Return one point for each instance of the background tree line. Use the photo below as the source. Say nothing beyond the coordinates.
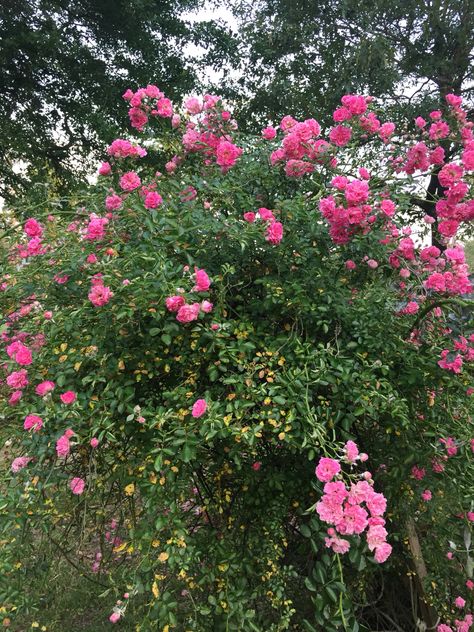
(65, 64)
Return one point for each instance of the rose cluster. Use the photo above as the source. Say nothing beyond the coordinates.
(188, 312)
(351, 509)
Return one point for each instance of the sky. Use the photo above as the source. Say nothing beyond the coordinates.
(207, 14)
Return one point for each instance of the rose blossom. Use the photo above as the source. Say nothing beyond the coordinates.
(327, 469)
(68, 397)
(77, 485)
(19, 463)
(33, 422)
(44, 388)
(187, 313)
(199, 408)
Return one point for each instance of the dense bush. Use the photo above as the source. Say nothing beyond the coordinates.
(178, 359)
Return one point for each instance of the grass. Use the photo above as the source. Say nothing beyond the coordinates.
(69, 603)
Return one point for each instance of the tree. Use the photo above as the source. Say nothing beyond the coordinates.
(300, 56)
(64, 66)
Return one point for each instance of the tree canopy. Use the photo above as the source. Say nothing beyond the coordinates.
(303, 55)
(64, 66)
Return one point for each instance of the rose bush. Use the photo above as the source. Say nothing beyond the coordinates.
(237, 379)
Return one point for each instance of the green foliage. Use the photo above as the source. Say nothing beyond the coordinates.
(206, 539)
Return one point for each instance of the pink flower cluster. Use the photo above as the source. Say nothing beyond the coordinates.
(348, 212)
(210, 134)
(34, 246)
(63, 444)
(301, 148)
(20, 353)
(452, 208)
(274, 229)
(99, 294)
(354, 109)
(463, 625)
(445, 272)
(95, 230)
(351, 510)
(188, 312)
(146, 102)
(125, 149)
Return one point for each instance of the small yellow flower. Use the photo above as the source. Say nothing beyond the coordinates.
(129, 489)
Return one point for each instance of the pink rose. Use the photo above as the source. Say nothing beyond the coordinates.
(269, 133)
(164, 108)
(20, 353)
(327, 469)
(68, 397)
(153, 200)
(203, 282)
(188, 313)
(19, 463)
(382, 552)
(94, 442)
(206, 307)
(77, 485)
(33, 422)
(100, 295)
(340, 135)
(274, 233)
(63, 446)
(266, 214)
(199, 408)
(105, 169)
(173, 303)
(33, 228)
(130, 181)
(351, 451)
(44, 388)
(18, 379)
(227, 154)
(113, 202)
(15, 398)
(193, 105)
